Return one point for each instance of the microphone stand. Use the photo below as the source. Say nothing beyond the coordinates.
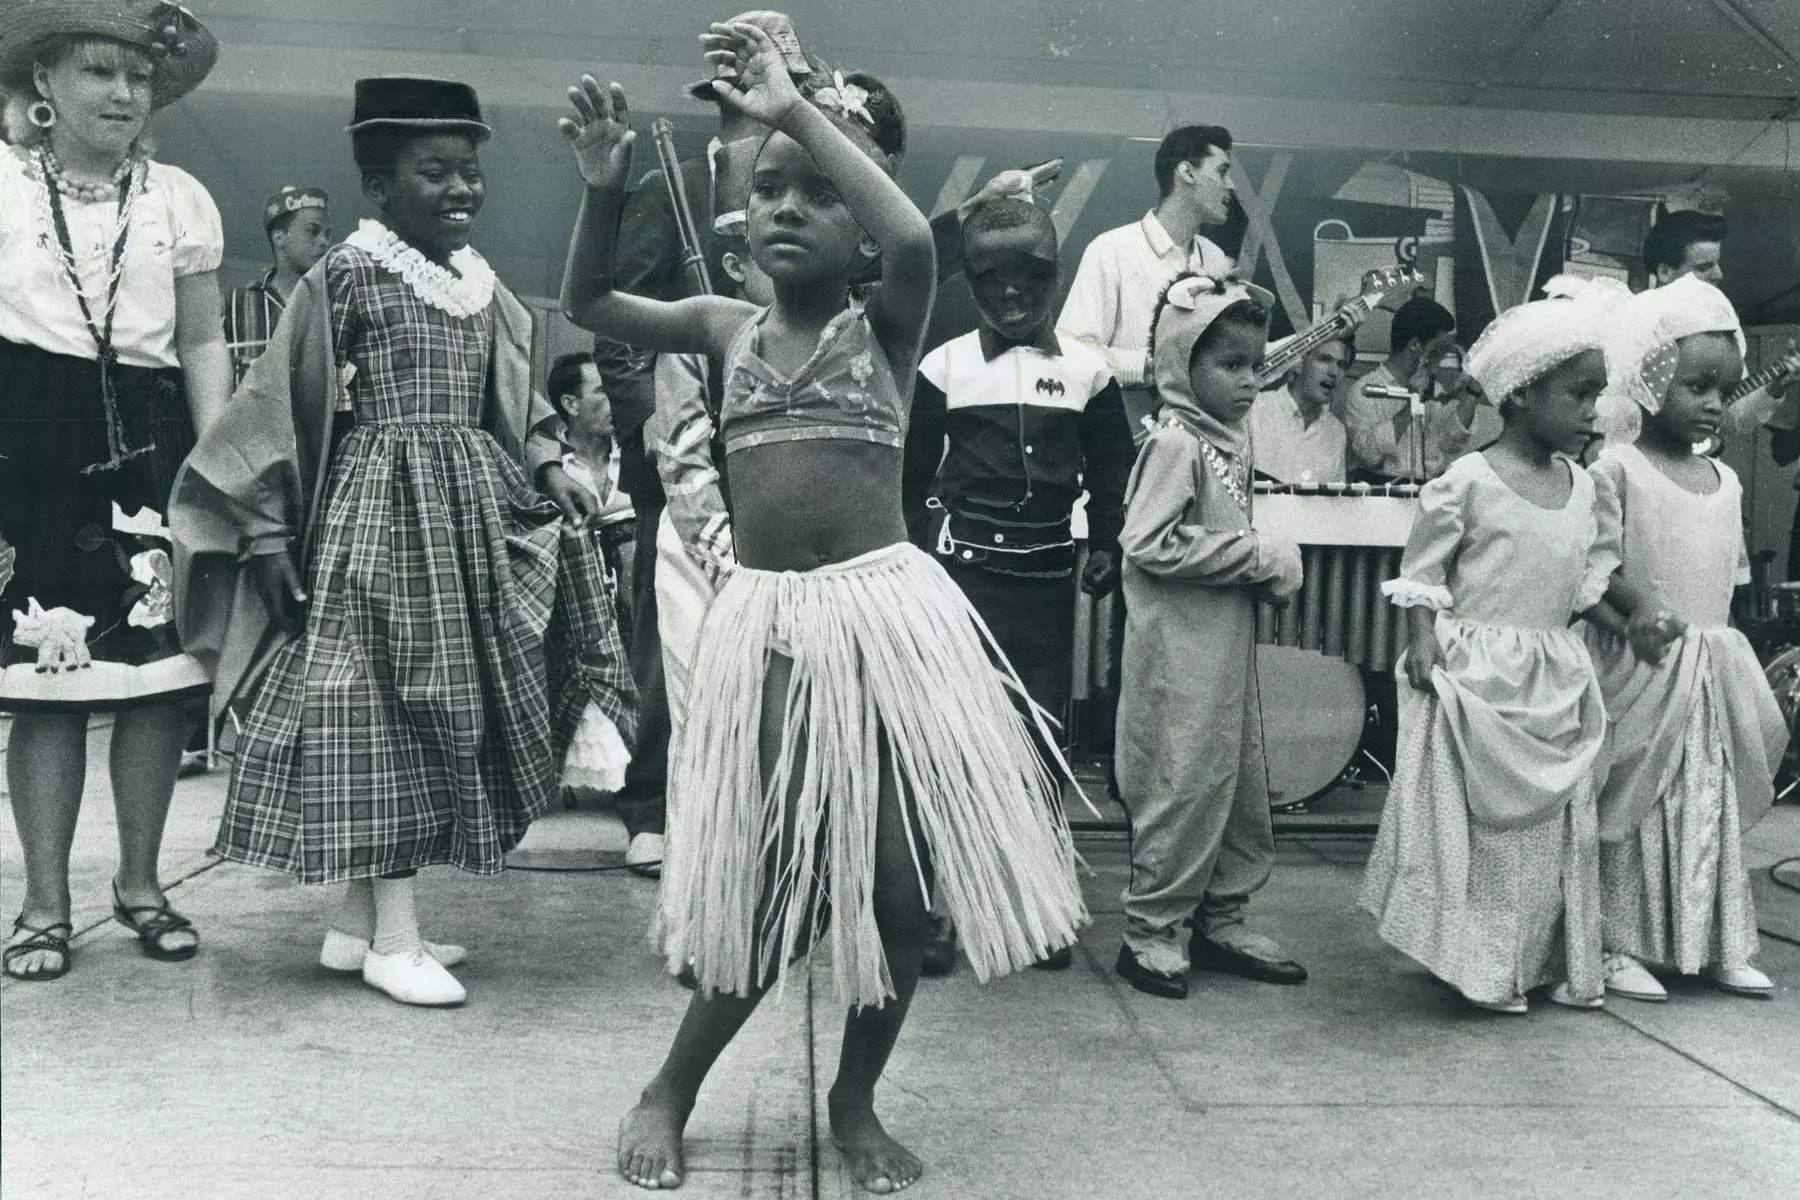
(1416, 434)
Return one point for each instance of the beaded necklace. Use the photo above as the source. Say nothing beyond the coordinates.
(52, 168)
(130, 185)
(1231, 473)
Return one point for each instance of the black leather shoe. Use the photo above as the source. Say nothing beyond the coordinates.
(940, 949)
(1056, 960)
(1208, 955)
(1153, 983)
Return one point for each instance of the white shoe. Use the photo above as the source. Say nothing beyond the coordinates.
(1739, 981)
(412, 977)
(1513, 1007)
(644, 855)
(1627, 977)
(1560, 994)
(343, 952)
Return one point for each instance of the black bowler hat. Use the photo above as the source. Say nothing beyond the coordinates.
(419, 103)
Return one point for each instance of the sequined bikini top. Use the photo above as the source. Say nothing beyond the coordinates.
(845, 391)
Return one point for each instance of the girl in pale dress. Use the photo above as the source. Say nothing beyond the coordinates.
(1485, 867)
(1697, 738)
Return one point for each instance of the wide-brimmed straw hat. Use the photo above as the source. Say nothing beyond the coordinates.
(184, 49)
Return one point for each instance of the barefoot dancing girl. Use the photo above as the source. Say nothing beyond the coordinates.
(850, 743)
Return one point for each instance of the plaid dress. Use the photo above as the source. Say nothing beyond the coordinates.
(413, 723)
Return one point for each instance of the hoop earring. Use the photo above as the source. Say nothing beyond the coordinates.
(40, 113)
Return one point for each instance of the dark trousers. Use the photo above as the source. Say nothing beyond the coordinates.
(1033, 620)
(641, 804)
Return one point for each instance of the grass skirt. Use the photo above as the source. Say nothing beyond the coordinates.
(892, 669)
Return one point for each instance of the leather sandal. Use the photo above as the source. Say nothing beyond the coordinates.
(159, 922)
(40, 940)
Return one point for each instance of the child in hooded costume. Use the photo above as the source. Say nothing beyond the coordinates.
(458, 635)
(1189, 748)
(1695, 739)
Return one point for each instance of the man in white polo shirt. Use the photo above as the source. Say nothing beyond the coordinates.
(1294, 438)
(1124, 270)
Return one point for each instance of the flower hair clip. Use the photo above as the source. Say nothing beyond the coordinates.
(849, 99)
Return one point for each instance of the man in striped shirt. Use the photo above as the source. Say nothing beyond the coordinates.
(297, 222)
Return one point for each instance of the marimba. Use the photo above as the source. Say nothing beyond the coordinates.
(1309, 664)
(1350, 537)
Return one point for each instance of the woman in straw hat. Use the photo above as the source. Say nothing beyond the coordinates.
(111, 345)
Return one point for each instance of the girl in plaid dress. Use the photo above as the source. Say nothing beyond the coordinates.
(411, 722)
(849, 745)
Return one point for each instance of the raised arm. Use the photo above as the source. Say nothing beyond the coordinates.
(601, 136)
(765, 92)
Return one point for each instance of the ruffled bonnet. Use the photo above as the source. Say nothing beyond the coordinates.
(1525, 342)
(1645, 339)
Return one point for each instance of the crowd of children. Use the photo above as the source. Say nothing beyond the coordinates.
(416, 619)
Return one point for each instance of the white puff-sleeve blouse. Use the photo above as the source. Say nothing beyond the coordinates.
(175, 232)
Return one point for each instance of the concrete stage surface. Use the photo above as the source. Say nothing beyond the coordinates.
(251, 1073)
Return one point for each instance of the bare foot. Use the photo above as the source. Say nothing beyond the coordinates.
(650, 1142)
(876, 1160)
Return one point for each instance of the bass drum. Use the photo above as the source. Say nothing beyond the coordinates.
(1312, 709)
(1783, 674)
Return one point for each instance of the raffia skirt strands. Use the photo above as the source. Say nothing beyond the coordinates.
(891, 669)
(454, 640)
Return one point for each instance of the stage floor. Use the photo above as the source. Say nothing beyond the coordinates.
(251, 1073)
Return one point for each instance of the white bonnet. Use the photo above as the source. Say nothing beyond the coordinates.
(1523, 343)
(1642, 346)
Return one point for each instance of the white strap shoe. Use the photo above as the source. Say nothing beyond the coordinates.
(343, 952)
(1626, 976)
(412, 977)
(1739, 981)
(644, 855)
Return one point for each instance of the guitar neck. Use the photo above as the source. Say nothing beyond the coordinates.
(1279, 363)
(1762, 378)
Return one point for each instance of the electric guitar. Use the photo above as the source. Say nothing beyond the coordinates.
(1715, 444)
(1761, 379)
(1379, 287)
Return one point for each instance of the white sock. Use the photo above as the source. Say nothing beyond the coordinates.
(356, 914)
(396, 924)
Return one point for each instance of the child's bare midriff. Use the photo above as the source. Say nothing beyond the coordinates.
(801, 505)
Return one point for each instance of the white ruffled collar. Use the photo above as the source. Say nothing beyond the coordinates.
(462, 292)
